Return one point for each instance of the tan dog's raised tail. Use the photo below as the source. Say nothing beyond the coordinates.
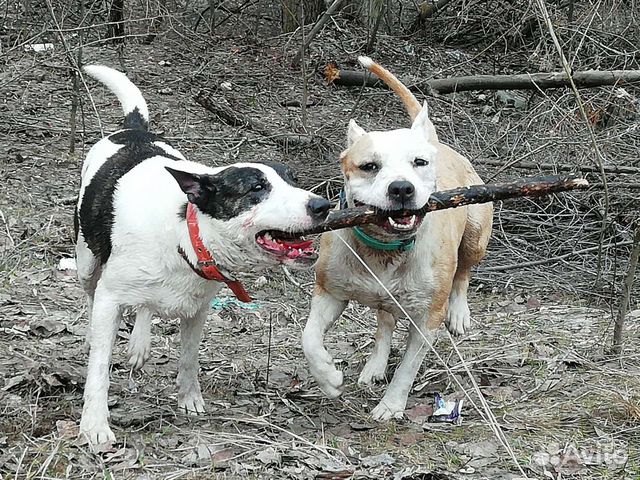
(424, 262)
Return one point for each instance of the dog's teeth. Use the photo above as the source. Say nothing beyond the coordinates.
(403, 226)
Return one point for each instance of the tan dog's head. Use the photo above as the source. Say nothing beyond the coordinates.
(392, 170)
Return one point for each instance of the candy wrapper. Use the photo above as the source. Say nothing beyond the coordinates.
(447, 411)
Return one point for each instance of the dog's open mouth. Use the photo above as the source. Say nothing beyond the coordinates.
(402, 224)
(396, 224)
(286, 245)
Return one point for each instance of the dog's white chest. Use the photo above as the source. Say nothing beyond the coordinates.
(406, 282)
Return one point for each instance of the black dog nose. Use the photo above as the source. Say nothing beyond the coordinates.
(401, 191)
(318, 208)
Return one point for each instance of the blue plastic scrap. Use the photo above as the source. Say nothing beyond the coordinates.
(226, 302)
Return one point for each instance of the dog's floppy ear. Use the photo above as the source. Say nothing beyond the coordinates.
(354, 132)
(423, 124)
(195, 186)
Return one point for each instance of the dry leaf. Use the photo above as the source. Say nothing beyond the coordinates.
(373, 461)
(331, 72)
(67, 429)
(419, 413)
(269, 456)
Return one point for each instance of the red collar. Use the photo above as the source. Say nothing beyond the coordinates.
(206, 266)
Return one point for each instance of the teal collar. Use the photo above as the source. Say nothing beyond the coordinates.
(369, 241)
(403, 245)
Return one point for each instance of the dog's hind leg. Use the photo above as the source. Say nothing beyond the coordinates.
(140, 340)
(89, 270)
(421, 332)
(104, 325)
(471, 251)
(189, 393)
(376, 365)
(459, 316)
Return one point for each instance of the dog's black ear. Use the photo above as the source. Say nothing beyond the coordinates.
(197, 187)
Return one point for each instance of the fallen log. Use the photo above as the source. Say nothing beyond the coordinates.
(533, 81)
(457, 197)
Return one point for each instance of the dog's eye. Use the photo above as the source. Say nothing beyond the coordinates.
(420, 162)
(258, 187)
(369, 167)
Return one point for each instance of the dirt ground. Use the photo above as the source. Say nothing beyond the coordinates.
(543, 401)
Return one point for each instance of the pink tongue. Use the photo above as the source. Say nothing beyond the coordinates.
(305, 246)
(403, 220)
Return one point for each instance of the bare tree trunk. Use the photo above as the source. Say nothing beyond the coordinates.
(626, 293)
(291, 18)
(314, 31)
(115, 29)
(427, 10)
(375, 18)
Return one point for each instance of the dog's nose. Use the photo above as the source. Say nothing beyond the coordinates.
(401, 191)
(318, 208)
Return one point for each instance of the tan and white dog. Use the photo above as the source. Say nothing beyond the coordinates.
(424, 263)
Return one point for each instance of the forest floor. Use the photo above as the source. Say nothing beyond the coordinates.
(560, 408)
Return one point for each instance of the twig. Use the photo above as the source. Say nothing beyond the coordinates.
(6, 226)
(314, 31)
(266, 382)
(626, 293)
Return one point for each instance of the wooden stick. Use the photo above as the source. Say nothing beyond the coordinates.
(533, 81)
(457, 197)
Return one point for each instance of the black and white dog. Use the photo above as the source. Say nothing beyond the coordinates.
(149, 225)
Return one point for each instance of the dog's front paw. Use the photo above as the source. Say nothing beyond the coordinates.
(96, 430)
(328, 377)
(191, 402)
(373, 371)
(458, 318)
(139, 350)
(388, 409)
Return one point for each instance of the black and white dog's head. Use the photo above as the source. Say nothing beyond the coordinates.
(249, 214)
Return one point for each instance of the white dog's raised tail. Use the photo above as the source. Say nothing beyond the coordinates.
(134, 106)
